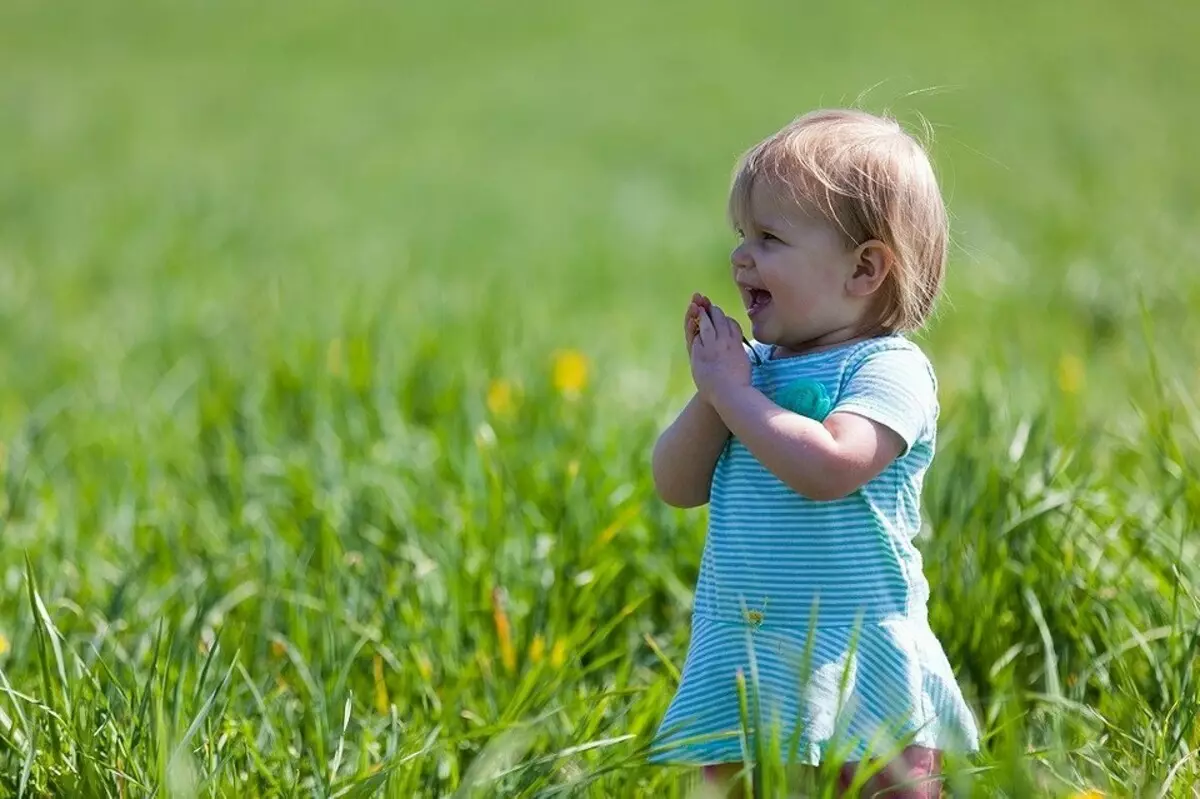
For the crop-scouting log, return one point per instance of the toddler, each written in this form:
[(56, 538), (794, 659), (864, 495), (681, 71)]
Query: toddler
[(810, 442)]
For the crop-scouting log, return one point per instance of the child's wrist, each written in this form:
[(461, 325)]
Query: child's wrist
[(723, 396)]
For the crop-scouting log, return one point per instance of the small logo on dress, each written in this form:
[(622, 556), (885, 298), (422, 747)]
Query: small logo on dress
[(805, 397), (754, 618)]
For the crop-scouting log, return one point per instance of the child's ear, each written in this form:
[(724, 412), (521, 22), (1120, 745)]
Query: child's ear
[(873, 260)]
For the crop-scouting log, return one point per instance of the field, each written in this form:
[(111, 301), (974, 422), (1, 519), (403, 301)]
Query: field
[(334, 341)]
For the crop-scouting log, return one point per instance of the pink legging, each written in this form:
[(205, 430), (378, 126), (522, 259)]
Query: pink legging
[(915, 764)]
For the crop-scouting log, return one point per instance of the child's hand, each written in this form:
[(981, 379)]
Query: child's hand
[(691, 320), (719, 360)]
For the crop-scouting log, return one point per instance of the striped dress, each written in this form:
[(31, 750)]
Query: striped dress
[(818, 609)]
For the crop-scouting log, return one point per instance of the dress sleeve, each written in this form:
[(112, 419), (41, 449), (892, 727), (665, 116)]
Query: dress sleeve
[(895, 387)]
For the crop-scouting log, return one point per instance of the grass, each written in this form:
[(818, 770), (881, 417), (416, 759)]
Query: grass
[(294, 503)]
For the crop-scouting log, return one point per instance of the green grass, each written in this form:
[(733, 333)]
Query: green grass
[(260, 533)]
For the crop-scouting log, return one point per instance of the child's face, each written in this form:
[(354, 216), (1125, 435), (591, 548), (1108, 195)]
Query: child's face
[(796, 274)]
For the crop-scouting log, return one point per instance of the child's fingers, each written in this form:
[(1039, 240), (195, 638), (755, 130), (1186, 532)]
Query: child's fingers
[(696, 317), (707, 334), (691, 324), (720, 321)]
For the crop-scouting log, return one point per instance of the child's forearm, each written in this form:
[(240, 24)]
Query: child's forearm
[(799, 451), (686, 454)]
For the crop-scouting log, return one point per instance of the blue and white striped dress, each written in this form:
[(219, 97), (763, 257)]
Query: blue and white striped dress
[(777, 565)]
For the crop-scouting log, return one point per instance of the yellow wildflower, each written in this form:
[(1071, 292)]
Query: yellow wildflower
[(558, 655), (570, 372), (1070, 374), (500, 398), (503, 630), (1090, 793), (537, 649), (278, 649), (3, 644)]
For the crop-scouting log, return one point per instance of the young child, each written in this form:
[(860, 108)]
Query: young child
[(812, 460)]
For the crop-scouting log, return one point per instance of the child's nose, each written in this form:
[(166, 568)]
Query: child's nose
[(740, 257)]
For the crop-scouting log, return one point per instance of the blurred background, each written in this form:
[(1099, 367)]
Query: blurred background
[(196, 174), (334, 337)]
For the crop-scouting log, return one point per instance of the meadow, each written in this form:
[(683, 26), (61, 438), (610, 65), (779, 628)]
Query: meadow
[(334, 340)]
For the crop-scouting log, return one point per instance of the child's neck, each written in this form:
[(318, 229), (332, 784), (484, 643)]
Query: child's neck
[(827, 341)]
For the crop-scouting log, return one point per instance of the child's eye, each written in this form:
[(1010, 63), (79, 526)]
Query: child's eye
[(769, 236)]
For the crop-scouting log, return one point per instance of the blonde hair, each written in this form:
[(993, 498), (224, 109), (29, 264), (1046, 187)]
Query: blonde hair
[(872, 179)]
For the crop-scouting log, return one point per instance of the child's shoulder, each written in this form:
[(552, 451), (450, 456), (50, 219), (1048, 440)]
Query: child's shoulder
[(891, 380), (895, 351)]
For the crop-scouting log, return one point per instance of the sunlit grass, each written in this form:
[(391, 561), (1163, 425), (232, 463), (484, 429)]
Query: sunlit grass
[(334, 346)]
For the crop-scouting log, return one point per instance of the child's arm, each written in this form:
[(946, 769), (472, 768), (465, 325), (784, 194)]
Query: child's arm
[(821, 461), (686, 454), (883, 410)]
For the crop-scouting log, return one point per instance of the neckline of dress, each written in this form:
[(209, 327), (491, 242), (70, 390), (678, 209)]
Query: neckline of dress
[(807, 356)]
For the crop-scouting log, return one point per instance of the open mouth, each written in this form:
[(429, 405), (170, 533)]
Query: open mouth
[(757, 300)]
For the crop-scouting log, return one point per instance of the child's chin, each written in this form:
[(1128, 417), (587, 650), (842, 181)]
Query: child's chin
[(762, 334)]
